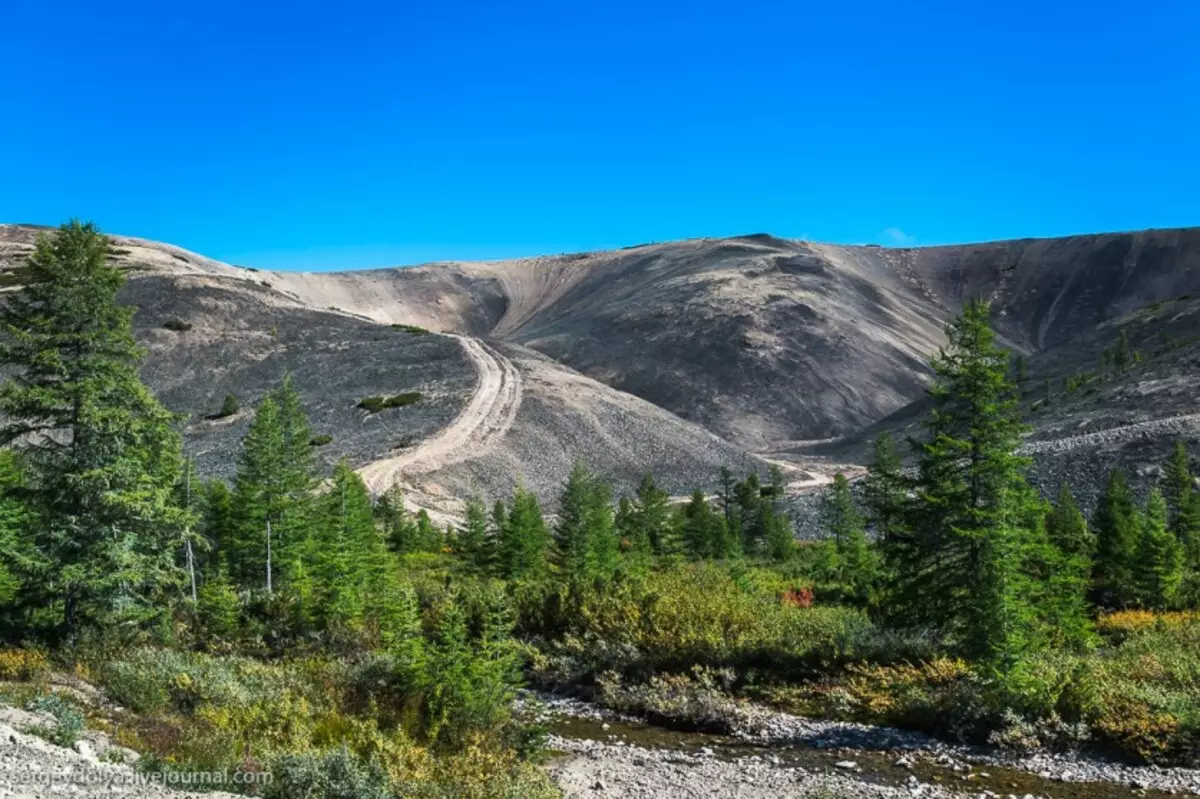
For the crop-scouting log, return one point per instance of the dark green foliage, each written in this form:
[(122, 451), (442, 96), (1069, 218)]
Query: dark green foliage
[(349, 560), (100, 455), (651, 519), (475, 677), (475, 541), (1158, 568), (336, 774), (1067, 576), (885, 490), (705, 535), (964, 568), (1116, 524), (219, 607), (375, 404), (1183, 501), (585, 540), (857, 566), (229, 406), (524, 539), (415, 330), (320, 440), (272, 497), (18, 558), (178, 325)]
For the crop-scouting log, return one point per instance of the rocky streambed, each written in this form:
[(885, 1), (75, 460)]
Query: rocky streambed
[(602, 754)]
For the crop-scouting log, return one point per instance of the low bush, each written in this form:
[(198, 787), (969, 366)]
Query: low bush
[(68, 720), (229, 406), (23, 664), (320, 440), (177, 324), (375, 404), (415, 330)]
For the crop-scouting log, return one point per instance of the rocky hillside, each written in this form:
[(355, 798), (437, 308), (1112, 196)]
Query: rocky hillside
[(680, 357)]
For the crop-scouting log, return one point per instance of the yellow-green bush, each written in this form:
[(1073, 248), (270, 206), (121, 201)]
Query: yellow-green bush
[(23, 664)]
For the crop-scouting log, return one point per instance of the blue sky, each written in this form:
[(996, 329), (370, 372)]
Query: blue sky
[(320, 135)]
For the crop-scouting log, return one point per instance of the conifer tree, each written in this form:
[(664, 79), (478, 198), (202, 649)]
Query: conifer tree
[(100, 454), (652, 517), (1183, 501), (1067, 573), (748, 493), (19, 560), (1158, 570), (857, 563), (1116, 524), (524, 539), (885, 489), (603, 556), (570, 530), (703, 530), (474, 540), (779, 539), (966, 566), (348, 556)]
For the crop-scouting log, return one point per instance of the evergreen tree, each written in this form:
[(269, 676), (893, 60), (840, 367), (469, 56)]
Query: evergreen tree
[(349, 559), (778, 537), (652, 517), (1183, 502), (603, 545), (474, 540), (704, 532), (19, 559), (1067, 573), (966, 567), (1117, 537), (1158, 570), (857, 563), (885, 489), (101, 455), (748, 494), (524, 539), (571, 530)]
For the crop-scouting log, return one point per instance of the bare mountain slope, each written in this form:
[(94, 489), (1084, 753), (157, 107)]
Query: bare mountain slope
[(765, 342), (490, 415)]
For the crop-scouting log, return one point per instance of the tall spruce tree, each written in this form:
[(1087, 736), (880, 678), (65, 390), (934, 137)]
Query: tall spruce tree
[(524, 539), (857, 562), (1183, 502), (1066, 573), (101, 455), (885, 489), (966, 567), (474, 539), (348, 556), (19, 559), (652, 517), (1117, 524), (1158, 570), (704, 531)]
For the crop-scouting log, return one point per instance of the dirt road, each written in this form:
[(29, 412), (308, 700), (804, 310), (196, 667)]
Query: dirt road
[(482, 424)]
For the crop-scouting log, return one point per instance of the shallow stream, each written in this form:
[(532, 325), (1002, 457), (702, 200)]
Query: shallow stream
[(873, 767)]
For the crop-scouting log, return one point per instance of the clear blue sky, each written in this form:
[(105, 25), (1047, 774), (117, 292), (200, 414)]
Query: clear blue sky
[(326, 135)]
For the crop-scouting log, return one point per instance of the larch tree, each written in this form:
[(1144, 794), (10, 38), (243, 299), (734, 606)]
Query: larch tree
[(101, 456), (966, 567)]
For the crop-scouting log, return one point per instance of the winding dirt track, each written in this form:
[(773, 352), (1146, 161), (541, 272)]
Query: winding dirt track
[(481, 425)]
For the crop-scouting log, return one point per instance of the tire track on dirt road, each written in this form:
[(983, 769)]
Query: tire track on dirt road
[(474, 432)]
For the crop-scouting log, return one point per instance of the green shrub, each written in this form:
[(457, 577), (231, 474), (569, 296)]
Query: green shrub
[(332, 775), (413, 329), (375, 404), (68, 720), (320, 440), (177, 324), (229, 406)]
